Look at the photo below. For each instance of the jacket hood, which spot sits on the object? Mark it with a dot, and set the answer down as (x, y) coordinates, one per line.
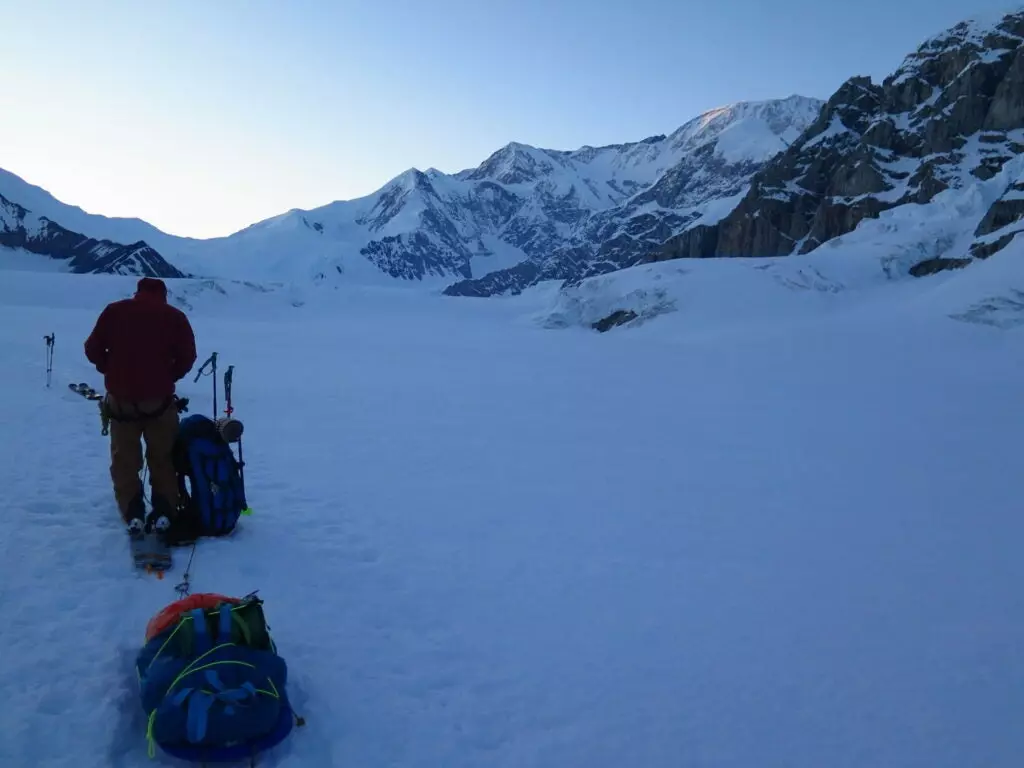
(151, 288)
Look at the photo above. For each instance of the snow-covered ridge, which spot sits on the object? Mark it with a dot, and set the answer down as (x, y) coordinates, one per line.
(756, 130)
(984, 37)
(700, 173)
(71, 217)
(25, 234)
(974, 30)
(523, 207)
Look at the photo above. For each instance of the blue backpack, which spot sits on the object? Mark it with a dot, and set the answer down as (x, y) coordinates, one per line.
(212, 685)
(215, 498)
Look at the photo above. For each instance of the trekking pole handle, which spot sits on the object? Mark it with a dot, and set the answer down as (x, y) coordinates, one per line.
(229, 376)
(211, 360)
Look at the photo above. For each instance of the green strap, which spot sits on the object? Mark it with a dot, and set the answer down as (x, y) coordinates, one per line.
(242, 626)
(150, 741)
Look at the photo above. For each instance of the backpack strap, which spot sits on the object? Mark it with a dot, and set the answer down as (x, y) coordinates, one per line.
(243, 627)
(224, 630)
(230, 695)
(199, 704)
(201, 642)
(196, 711)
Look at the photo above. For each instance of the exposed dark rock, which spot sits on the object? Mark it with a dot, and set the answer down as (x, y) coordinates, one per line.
(698, 241)
(616, 318)
(1003, 212)
(502, 281)
(986, 249)
(936, 265)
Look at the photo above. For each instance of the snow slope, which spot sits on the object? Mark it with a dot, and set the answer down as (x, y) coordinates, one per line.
(874, 260)
(30, 240)
(23, 261)
(787, 536)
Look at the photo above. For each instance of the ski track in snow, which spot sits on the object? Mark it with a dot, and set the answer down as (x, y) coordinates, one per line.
(484, 543)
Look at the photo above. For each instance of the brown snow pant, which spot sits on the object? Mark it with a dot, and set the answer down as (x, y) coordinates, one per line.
(129, 424)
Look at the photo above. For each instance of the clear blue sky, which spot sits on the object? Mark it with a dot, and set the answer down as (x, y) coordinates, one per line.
(203, 116)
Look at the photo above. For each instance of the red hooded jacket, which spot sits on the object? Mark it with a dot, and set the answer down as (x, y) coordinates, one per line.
(142, 345)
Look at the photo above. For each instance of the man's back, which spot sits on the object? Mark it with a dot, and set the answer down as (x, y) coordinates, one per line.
(142, 345)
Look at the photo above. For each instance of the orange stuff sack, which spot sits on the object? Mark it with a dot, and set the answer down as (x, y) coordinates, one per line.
(169, 616)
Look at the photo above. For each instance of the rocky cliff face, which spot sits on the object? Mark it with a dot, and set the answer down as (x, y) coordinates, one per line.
(21, 229)
(951, 117)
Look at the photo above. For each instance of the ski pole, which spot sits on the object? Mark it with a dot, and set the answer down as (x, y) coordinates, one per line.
(229, 376)
(50, 341)
(230, 427)
(211, 361)
(231, 430)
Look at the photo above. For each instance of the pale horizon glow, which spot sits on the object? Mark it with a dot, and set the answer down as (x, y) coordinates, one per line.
(204, 118)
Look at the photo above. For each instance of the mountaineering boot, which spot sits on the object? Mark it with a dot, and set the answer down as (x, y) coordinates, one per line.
(159, 520)
(134, 517)
(158, 525)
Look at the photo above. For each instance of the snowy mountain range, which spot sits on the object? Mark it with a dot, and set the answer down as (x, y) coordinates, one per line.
(750, 179)
(521, 216)
(640, 194)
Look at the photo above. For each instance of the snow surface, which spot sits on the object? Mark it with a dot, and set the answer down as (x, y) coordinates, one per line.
(777, 525)
(751, 140)
(500, 255)
(22, 260)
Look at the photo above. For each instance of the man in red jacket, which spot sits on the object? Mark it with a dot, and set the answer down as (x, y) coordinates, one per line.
(143, 346)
